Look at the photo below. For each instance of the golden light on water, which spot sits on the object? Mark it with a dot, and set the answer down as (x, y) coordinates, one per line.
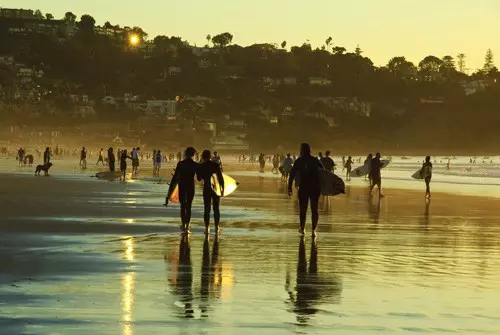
(224, 280)
(129, 250)
(128, 296)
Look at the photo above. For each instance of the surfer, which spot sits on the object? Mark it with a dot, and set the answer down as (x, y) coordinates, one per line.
(287, 165)
(348, 168)
(135, 161)
(83, 158)
(307, 167)
(111, 160)
(375, 175)
(327, 162)
(184, 178)
(157, 163)
(123, 164)
(205, 172)
(426, 174)
(368, 163)
(101, 157)
(46, 156)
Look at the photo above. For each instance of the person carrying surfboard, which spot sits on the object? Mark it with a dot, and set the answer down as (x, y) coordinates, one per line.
(205, 172)
(307, 167)
(375, 175)
(426, 174)
(184, 178)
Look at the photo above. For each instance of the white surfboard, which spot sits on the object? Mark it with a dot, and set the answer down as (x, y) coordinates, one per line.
(365, 169)
(418, 174)
(331, 184)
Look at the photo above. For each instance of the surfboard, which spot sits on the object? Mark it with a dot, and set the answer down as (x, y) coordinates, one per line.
(230, 185)
(174, 197)
(418, 175)
(108, 175)
(364, 170)
(331, 184)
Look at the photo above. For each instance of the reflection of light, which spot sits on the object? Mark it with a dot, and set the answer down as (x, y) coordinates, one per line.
(129, 250)
(224, 280)
(129, 220)
(127, 302)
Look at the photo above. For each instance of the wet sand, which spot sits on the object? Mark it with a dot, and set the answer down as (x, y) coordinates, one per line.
(81, 256)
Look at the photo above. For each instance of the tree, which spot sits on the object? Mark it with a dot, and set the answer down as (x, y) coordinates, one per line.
(87, 24)
(328, 42)
(39, 14)
(49, 16)
(108, 25)
(70, 17)
(448, 63)
(208, 38)
(222, 40)
(358, 51)
(488, 62)
(402, 68)
(338, 50)
(461, 62)
(283, 45)
(429, 68)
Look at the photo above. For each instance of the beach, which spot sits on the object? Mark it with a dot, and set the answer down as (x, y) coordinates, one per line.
(81, 255)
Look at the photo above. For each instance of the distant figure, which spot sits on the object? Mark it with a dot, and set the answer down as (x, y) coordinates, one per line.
(205, 172)
(262, 162)
(46, 156)
(348, 168)
(343, 162)
(276, 164)
(20, 156)
(308, 168)
(426, 174)
(83, 158)
(375, 175)
(111, 160)
(123, 165)
(179, 156)
(327, 162)
(368, 163)
(448, 165)
(135, 161)
(287, 165)
(28, 160)
(101, 157)
(184, 177)
(157, 165)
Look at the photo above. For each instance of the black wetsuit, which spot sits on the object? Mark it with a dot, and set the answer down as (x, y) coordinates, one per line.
(307, 167)
(184, 177)
(427, 175)
(328, 163)
(111, 161)
(205, 172)
(375, 172)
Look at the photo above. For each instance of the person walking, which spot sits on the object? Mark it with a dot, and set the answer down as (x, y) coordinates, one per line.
(205, 172)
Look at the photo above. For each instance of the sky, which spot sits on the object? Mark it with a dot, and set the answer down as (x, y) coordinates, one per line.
(382, 28)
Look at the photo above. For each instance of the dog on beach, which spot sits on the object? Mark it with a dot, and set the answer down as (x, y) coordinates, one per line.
(45, 168)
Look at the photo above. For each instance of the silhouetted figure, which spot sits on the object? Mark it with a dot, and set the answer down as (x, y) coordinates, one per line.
(426, 174)
(307, 167)
(111, 160)
(375, 175)
(100, 159)
(123, 164)
(184, 177)
(327, 162)
(217, 160)
(262, 162)
(348, 168)
(286, 167)
(185, 277)
(46, 156)
(83, 158)
(206, 170)
(368, 163)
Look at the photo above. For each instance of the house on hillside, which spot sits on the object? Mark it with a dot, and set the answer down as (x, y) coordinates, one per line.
(472, 87)
(230, 140)
(319, 81)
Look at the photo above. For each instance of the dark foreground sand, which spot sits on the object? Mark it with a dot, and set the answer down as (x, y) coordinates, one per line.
(81, 256)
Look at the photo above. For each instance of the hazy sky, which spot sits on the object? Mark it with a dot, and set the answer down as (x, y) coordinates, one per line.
(382, 28)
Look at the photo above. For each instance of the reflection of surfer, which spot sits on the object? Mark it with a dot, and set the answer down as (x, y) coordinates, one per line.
(426, 174)
(208, 269)
(185, 277)
(205, 172)
(376, 176)
(307, 167)
(374, 210)
(184, 177)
